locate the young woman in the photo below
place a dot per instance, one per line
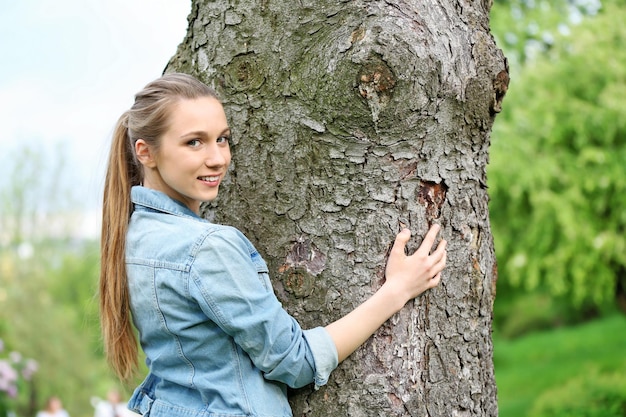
(216, 339)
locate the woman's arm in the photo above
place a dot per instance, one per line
(406, 278)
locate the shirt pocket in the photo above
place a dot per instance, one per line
(262, 270)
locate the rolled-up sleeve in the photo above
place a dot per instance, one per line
(324, 353)
(233, 291)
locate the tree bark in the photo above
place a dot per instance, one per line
(351, 120)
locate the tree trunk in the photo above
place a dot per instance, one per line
(351, 120)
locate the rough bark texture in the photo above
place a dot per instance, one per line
(351, 120)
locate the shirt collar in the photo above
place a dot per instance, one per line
(156, 200)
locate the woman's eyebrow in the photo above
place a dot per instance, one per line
(203, 133)
(193, 133)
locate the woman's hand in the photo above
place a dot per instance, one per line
(409, 276)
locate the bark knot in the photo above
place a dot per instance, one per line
(304, 261)
(375, 83)
(244, 73)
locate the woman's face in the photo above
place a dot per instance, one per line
(194, 153)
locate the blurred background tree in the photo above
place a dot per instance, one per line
(557, 174)
(48, 277)
(558, 209)
(528, 29)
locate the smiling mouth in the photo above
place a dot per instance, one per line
(209, 178)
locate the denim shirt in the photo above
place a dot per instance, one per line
(216, 338)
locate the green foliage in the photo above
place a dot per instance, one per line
(50, 314)
(596, 394)
(48, 279)
(526, 312)
(534, 372)
(557, 183)
(526, 29)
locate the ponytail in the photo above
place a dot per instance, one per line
(120, 342)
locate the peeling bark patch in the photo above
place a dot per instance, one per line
(357, 35)
(303, 263)
(375, 83)
(500, 87)
(305, 254)
(494, 274)
(432, 196)
(376, 78)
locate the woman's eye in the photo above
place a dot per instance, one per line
(223, 139)
(194, 143)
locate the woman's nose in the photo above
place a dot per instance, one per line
(217, 156)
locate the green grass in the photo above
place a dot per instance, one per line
(530, 366)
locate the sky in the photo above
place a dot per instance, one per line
(70, 68)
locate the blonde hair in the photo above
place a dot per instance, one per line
(146, 119)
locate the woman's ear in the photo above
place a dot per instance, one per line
(144, 154)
